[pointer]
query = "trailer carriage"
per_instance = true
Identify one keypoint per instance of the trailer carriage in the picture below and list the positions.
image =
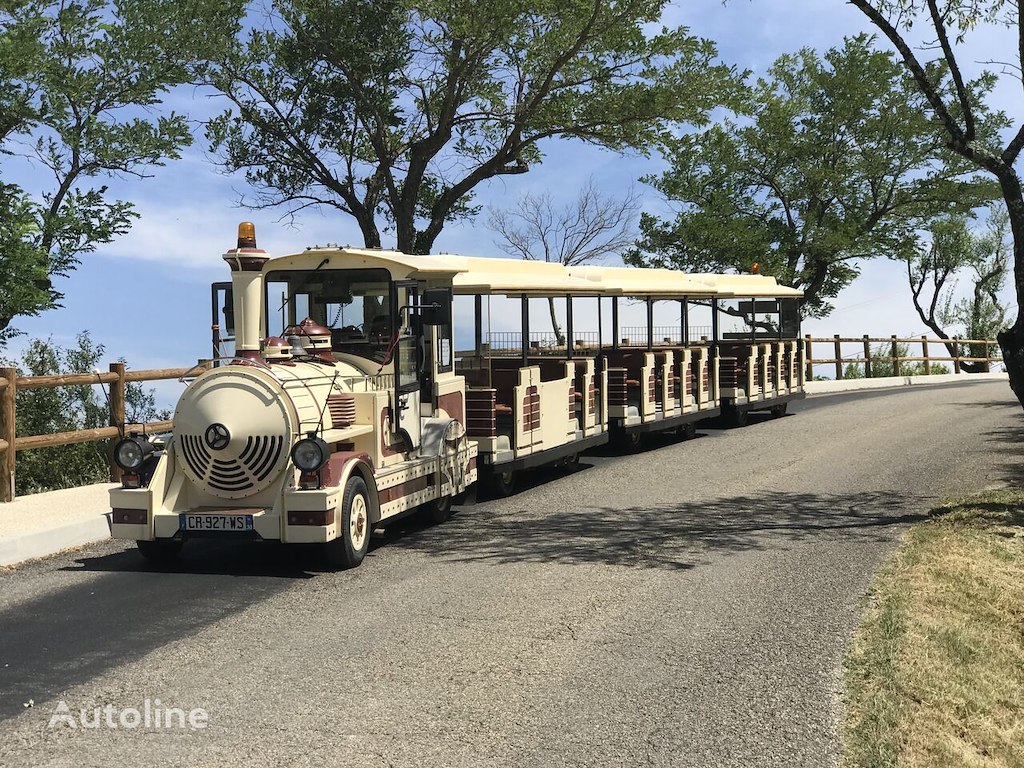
(346, 404)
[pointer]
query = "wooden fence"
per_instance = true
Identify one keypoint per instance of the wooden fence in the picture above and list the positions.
(117, 378)
(984, 351)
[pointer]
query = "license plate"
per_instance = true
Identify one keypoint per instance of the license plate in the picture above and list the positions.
(187, 522)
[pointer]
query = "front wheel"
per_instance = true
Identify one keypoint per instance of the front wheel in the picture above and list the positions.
(779, 410)
(349, 549)
(737, 417)
(629, 442)
(686, 431)
(500, 483)
(161, 551)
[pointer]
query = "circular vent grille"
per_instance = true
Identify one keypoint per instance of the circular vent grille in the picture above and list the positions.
(232, 431)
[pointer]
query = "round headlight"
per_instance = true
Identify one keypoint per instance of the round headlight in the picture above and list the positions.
(131, 453)
(310, 454)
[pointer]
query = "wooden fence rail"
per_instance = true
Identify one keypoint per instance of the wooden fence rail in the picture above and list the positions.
(117, 377)
(982, 351)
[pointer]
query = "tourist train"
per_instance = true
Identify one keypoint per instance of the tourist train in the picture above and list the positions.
(375, 399)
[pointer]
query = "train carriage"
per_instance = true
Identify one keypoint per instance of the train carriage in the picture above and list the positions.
(346, 404)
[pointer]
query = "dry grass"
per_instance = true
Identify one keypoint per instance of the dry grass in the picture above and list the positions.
(936, 673)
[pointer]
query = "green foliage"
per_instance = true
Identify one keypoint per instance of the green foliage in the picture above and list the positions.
(836, 162)
(958, 111)
(65, 409)
(394, 112)
(982, 314)
(953, 252)
(78, 85)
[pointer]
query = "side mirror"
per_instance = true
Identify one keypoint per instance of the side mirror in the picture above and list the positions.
(229, 311)
(436, 306)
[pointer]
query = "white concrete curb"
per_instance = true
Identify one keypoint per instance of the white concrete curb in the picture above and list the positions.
(20, 547)
(849, 385)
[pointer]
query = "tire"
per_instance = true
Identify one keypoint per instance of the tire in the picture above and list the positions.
(161, 551)
(779, 411)
(686, 431)
(737, 417)
(437, 511)
(501, 484)
(349, 549)
(629, 442)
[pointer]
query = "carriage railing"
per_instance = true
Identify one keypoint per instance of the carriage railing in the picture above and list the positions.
(380, 382)
(636, 335)
(510, 343)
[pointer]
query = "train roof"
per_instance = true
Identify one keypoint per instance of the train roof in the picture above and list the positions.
(401, 265)
(752, 286)
(522, 277)
(640, 281)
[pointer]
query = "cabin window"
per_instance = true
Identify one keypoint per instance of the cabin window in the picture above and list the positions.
(355, 304)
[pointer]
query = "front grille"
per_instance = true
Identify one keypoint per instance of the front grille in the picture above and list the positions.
(233, 475)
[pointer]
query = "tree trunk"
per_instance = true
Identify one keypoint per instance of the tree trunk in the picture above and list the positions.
(368, 228)
(1011, 341)
(559, 336)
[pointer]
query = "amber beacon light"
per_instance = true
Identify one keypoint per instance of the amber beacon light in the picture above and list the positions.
(246, 235)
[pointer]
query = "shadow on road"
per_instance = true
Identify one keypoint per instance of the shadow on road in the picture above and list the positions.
(1009, 440)
(676, 537)
(216, 558)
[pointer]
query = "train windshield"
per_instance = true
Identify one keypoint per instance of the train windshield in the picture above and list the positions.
(355, 304)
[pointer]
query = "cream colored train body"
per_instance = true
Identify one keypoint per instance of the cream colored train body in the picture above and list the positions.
(346, 406)
(388, 412)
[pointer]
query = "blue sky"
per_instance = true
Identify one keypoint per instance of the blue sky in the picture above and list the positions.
(146, 296)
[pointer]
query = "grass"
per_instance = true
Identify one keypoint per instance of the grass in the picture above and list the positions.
(936, 673)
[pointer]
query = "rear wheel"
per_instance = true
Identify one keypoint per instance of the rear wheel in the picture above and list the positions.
(437, 511)
(161, 551)
(686, 431)
(779, 410)
(349, 549)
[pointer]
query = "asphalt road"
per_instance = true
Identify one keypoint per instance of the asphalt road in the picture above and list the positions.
(686, 606)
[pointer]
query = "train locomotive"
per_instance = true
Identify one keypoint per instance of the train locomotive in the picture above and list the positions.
(361, 411)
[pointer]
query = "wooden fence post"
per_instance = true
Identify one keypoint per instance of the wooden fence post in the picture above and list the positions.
(924, 354)
(867, 356)
(7, 432)
(895, 357)
(839, 358)
(808, 358)
(956, 354)
(117, 394)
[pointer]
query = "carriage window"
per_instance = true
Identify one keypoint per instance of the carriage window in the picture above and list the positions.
(355, 304)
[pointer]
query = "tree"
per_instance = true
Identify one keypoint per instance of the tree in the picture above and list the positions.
(587, 229)
(831, 166)
(21, 53)
(395, 112)
(953, 250)
(65, 409)
(958, 113)
(78, 84)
